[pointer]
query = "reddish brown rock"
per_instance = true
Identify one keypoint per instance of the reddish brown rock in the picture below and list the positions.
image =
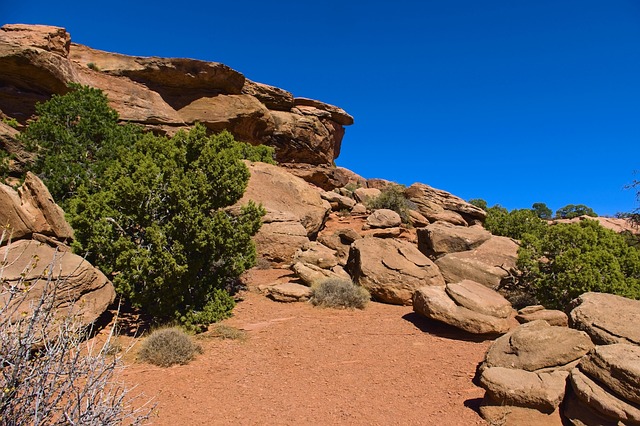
(338, 115)
(435, 204)
(272, 97)
(442, 238)
(51, 39)
(384, 218)
(325, 176)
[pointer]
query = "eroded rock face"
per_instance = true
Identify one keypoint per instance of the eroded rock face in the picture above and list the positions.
(391, 270)
(435, 204)
(538, 312)
(83, 290)
(442, 238)
(31, 210)
(537, 346)
(279, 191)
(592, 313)
(167, 94)
(280, 237)
(487, 264)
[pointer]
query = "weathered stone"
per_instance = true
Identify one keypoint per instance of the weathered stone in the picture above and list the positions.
(83, 291)
(508, 415)
(617, 367)
(417, 220)
(592, 313)
(441, 238)
(435, 204)
(578, 413)
(479, 298)
(340, 201)
(600, 399)
(337, 114)
(507, 386)
(280, 237)
(434, 303)
(278, 190)
(538, 312)
(364, 195)
(359, 209)
(324, 176)
(384, 232)
(311, 274)
(51, 39)
(316, 254)
(384, 218)
(536, 346)
(272, 97)
(289, 292)
(487, 264)
(391, 269)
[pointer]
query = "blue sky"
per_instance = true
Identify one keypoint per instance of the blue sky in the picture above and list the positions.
(515, 102)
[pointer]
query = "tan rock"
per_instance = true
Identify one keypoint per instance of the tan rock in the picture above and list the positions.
(417, 220)
(391, 269)
(384, 218)
(338, 115)
(83, 290)
(435, 204)
(487, 264)
(509, 415)
(51, 39)
(272, 97)
(617, 367)
(288, 292)
(592, 313)
(340, 201)
(280, 237)
(442, 238)
(316, 254)
(479, 298)
(324, 176)
(434, 303)
(279, 191)
(536, 346)
(507, 386)
(359, 209)
(364, 195)
(601, 400)
(538, 312)
(579, 413)
(311, 274)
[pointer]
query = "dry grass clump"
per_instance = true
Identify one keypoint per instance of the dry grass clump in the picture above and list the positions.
(227, 332)
(168, 346)
(339, 293)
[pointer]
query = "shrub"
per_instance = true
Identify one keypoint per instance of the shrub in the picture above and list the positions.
(479, 202)
(514, 224)
(50, 373)
(570, 259)
(226, 332)
(392, 198)
(339, 293)
(168, 346)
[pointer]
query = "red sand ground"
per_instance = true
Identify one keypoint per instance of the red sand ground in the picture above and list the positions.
(302, 365)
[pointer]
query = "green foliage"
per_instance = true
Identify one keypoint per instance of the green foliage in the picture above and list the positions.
(157, 224)
(542, 211)
(570, 259)
(392, 197)
(11, 122)
(570, 211)
(514, 224)
(479, 202)
(76, 136)
(339, 293)
(168, 346)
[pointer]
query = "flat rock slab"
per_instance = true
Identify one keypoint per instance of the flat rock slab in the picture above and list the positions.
(509, 415)
(597, 397)
(289, 292)
(551, 316)
(536, 346)
(592, 313)
(384, 218)
(479, 298)
(616, 366)
(542, 391)
(442, 238)
(434, 303)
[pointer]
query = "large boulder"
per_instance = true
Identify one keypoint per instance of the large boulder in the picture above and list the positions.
(442, 238)
(392, 270)
(83, 291)
(384, 218)
(538, 312)
(277, 190)
(537, 346)
(325, 176)
(592, 313)
(317, 254)
(31, 210)
(487, 264)
(280, 237)
(435, 204)
(435, 303)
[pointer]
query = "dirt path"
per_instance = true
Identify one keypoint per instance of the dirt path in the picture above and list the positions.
(302, 365)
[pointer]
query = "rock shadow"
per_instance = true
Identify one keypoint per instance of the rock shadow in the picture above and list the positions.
(444, 330)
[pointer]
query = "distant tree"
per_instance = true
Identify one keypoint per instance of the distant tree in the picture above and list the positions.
(542, 210)
(479, 202)
(570, 211)
(513, 224)
(570, 259)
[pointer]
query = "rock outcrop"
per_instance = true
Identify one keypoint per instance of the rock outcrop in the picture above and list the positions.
(435, 204)
(592, 313)
(441, 238)
(391, 270)
(166, 94)
(538, 312)
(466, 305)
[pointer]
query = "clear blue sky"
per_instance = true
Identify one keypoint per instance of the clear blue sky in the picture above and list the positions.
(512, 101)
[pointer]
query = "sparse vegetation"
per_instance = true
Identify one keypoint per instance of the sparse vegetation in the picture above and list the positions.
(11, 122)
(93, 66)
(168, 346)
(50, 373)
(392, 198)
(339, 293)
(227, 332)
